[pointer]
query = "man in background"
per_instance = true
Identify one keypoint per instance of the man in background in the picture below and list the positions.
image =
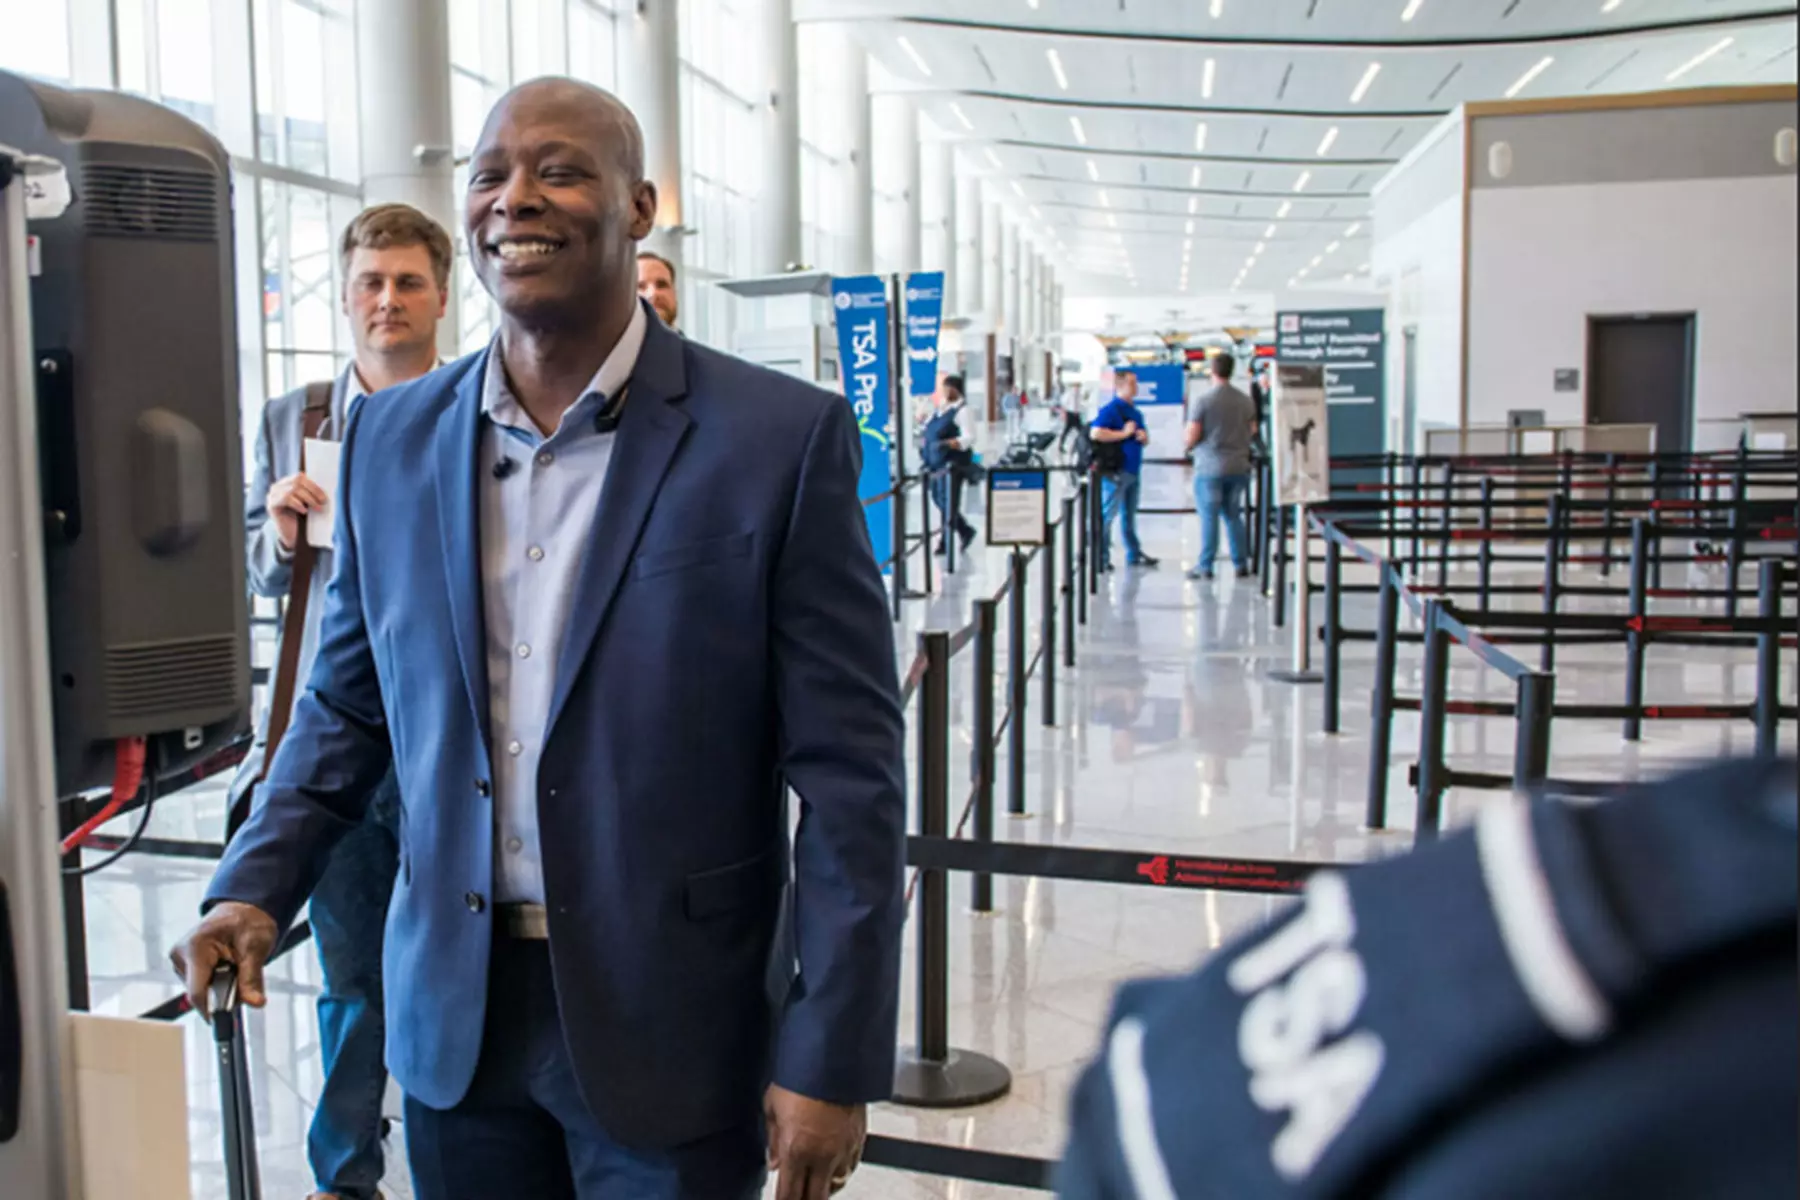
(1221, 424)
(396, 266)
(945, 453)
(656, 283)
(1119, 439)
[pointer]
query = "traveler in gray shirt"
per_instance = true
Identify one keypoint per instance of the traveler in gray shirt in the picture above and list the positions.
(1221, 424)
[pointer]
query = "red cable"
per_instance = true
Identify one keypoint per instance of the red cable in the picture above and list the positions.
(128, 775)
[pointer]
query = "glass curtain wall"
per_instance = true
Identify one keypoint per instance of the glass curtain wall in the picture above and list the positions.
(825, 139)
(721, 139)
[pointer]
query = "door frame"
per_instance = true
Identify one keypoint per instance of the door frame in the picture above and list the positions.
(1691, 323)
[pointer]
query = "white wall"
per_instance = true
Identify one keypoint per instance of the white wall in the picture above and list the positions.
(1420, 267)
(1544, 258)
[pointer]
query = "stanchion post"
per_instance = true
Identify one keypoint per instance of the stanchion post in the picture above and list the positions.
(1637, 603)
(1531, 745)
(1734, 553)
(1485, 554)
(1416, 493)
(1082, 500)
(897, 576)
(986, 630)
(1612, 499)
(1656, 493)
(952, 514)
(931, 1074)
(1768, 657)
(1018, 689)
(1096, 551)
(1265, 502)
(1333, 645)
(1047, 631)
(1449, 494)
(1068, 581)
(1381, 698)
(934, 821)
(1553, 523)
(1390, 476)
(1429, 810)
(925, 550)
(1278, 615)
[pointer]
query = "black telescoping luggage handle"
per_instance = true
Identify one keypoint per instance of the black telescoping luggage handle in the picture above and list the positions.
(243, 1180)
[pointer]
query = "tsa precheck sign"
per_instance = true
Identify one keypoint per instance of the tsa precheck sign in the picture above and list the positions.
(865, 356)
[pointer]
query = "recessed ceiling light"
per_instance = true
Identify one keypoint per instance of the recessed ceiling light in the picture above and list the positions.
(1287, 206)
(1093, 171)
(912, 52)
(1259, 249)
(1362, 85)
(1699, 58)
(1080, 133)
(1200, 138)
(995, 159)
(1194, 176)
(1412, 9)
(1193, 204)
(1189, 227)
(1018, 190)
(1269, 232)
(1105, 200)
(1305, 178)
(962, 116)
(1325, 142)
(1536, 70)
(1035, 214)
(1317, 259)
(1218, 8)
(1610, 5)
(1352, 231)
(1056, 68)
(1112, 220)
(1332, 248)
(1206, 79)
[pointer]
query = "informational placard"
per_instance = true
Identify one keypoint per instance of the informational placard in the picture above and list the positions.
(1350, 344)
(924, 318)
(1302, 434)
(866, 357)
(1018, 507)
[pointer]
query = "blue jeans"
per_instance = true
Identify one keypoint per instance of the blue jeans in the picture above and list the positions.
(348, 914)
(1218, 496)
(1119, 500)
(523, 1130)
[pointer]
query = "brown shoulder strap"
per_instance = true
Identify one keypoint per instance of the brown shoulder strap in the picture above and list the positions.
(293, 619)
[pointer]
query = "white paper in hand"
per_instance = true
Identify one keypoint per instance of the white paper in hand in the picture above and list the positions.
(322, 469)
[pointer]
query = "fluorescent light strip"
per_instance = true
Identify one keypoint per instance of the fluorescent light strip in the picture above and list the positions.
(995, 159)
(1200, 138)
(1610, 5)
(1325, 142)
(1080, 133)
(1352, 231)
(1194, 176)
(1258, 250)
(1317, 259)
(1056, 68)
(962, 116)
(1269, 232)
(1412, 9)
(1287, 206)
(1699, 58)
(1206, 79)
(912, 52)
(1193, 205)
(1332, 248)
(1305, 178)
(1093, 170)
(1018, 190)
(1188, 229)
(1218, 9)
(1105, 200)
(1537, 69)
(1362, 86)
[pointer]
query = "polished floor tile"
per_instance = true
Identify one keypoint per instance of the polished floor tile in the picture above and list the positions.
(1169, 738)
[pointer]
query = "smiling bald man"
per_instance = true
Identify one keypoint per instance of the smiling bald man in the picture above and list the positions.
(626, 602)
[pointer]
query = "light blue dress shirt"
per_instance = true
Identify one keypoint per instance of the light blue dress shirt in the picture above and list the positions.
(536, 518)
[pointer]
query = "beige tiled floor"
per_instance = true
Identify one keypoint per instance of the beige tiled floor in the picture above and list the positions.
(1170, 738)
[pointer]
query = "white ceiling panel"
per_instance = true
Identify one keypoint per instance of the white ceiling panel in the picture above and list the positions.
(1070, 97)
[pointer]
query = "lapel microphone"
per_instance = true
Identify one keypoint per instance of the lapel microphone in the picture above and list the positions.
(504, 467)
(608, 418)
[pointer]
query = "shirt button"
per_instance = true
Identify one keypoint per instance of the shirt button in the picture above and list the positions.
(474, 901)
(481, 787)
(535, 554)
(515, 749)
(545, 458)
(524, 651)
(514, 845)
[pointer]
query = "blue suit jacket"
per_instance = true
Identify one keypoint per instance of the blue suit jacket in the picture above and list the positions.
(729, 639)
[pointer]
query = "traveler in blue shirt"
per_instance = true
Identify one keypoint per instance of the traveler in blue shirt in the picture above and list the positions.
(943, 450)
(1120, 437)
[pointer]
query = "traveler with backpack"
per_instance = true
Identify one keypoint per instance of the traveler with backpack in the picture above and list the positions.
(1119, 438)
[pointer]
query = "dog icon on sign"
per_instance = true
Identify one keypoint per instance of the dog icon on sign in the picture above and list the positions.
(1156, 870)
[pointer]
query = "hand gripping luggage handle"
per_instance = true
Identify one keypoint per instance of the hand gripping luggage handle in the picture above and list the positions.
(243, 1181)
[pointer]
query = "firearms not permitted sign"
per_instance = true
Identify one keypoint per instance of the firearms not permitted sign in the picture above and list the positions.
(1018, 508)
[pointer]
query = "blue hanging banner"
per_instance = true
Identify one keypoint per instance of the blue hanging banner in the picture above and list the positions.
(924, 316)
(866, 363)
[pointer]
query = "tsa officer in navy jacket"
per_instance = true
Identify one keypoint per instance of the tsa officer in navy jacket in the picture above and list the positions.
(625, 601)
